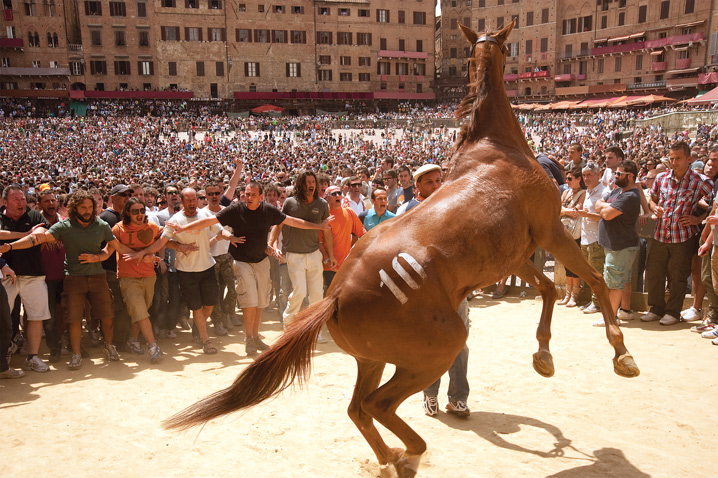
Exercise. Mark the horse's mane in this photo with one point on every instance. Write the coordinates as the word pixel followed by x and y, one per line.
pixel 471 104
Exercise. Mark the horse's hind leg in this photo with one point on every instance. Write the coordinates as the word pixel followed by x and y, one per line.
pixel 368 379
pixel 566 251
pixel 542 360
pixel 382 405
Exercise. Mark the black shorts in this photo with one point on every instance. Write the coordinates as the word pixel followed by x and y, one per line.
pixel 199 289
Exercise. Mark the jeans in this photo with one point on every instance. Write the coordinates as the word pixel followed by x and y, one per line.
pixel 224 273
pixel 458 383
pixel 305 272
pixel 121 322
pixel 671 261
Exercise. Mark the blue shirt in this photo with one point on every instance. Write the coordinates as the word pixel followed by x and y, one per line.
pixel 372 219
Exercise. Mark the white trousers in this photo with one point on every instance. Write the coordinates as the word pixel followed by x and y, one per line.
pixel 306 274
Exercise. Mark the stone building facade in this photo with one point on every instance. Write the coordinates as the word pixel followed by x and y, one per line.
pixel 243 49
pixel 568 49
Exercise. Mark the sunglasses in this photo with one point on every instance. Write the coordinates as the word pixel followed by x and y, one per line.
pixel 620 174
pixel 202 197
pixel 161 203
pixel 125 195
pixel 172 192
pixel 136 212
pixel 355 185
pixel 335 193
pixel 214 194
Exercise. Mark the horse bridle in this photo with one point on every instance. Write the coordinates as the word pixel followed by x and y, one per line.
pixel 482 39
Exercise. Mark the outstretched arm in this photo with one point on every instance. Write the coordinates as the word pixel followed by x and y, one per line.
pixel 29 241
pixel 234 180
pixel 302 224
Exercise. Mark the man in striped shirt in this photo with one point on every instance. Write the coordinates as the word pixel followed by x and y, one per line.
pixel 674 197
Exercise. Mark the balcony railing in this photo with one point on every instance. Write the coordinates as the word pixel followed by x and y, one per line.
pixel 659 66
pixel 511 77
pixel 573 54
pixel 7 14
pixel 564 77
pixel 74 47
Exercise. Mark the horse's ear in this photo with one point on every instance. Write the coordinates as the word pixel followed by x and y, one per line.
pixel 504 33
pixel 470 34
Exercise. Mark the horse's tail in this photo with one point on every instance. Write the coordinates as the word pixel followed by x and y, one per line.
pixel 272 372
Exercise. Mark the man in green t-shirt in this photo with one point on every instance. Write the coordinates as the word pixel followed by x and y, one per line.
pixel 82 234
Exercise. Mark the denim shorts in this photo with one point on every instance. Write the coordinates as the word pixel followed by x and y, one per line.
pixel 618 267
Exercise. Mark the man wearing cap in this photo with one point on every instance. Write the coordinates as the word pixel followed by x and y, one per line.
pixel 119 195
pixel 428 179
pixel 429 175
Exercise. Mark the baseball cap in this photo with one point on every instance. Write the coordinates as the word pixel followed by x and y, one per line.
pixel 427 168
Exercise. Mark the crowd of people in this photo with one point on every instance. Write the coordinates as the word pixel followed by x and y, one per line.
pixel 124 226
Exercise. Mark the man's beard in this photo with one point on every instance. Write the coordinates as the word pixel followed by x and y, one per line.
pixel 622 182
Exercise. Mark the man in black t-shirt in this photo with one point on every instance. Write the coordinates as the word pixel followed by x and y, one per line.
pixel 252 220
pixel 617 232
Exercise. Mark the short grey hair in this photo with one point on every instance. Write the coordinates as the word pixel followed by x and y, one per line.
pixel 591 166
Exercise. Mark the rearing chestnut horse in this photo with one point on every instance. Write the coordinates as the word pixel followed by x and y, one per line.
pixel 394 300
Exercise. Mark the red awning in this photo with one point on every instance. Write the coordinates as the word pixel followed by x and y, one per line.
pixel 267 108
pixel 710 97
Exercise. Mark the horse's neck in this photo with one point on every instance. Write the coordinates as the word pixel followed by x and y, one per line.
pixel 495 120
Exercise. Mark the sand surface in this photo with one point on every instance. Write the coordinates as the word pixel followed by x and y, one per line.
pixel 104 420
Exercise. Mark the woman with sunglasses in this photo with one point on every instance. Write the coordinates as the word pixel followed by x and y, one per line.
pixel 137 278
pixel 571 203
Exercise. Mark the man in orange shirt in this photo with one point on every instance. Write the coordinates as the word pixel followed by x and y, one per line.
pixel 346 229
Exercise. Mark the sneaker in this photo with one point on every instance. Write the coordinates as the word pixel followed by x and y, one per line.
pixel 54 356
pixel 624 315
pixel 236 321
pixel 36 365
pixel 458 408
pixel 431 406
pixel 599 323
pixel 711 334
pixel 321 339
pixel 250 347
pixel 261 346
pixel 650 317
pixel 155 353
pixel 172 334
pixel 591 309
pixel 111 353
pixel 706 326
pixel 184 323
pixel 163 334
pixel 691 314
pixel 12 373
pixel 668 319
pixel 714 341
pixel 219 330
pixel 75 362
pixel 134 347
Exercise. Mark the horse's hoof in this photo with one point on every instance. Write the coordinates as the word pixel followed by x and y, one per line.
pixel 625 366
pixel 543 363
pixel 404 468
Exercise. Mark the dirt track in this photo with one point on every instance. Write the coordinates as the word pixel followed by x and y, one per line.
pixel 584 422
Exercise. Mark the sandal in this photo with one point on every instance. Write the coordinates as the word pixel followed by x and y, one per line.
pixel 208 348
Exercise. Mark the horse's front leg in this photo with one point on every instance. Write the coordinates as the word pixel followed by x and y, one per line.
pixel 542 360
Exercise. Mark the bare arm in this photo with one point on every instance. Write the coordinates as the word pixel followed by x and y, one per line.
pixel 28 241
pixel 195 225
pixel 302 224
pixel 234 180
pixel 329 246
pixel 274 235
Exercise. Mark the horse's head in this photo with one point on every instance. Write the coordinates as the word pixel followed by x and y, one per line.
pixel 494 49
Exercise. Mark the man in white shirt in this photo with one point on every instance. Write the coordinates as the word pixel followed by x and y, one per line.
pixel 195 269
pixel 354 198
pixel 589 227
